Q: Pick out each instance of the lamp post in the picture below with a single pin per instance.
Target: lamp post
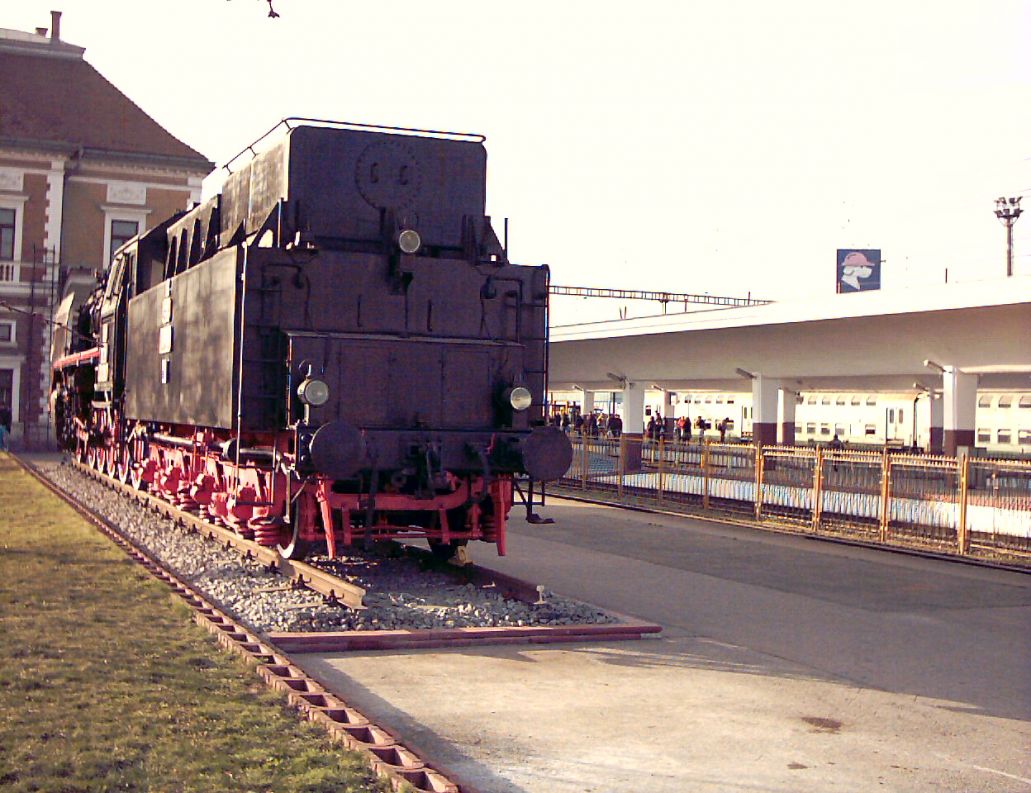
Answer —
(1007, 210)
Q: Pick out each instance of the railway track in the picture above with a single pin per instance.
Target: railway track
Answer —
(331, 587)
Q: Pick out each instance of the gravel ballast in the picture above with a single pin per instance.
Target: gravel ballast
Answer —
(400, 594)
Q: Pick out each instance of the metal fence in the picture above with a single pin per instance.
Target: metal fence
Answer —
(965, 505)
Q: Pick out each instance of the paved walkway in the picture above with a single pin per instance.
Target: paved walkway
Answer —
(786, 665)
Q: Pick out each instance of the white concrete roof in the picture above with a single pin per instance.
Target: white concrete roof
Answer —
(865, 341)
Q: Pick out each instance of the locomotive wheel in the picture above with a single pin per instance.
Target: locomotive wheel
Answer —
(292, 546)
(446, 551)
(123, 465)
(91, 457)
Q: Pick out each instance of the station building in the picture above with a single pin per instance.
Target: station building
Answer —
(82, 170)
(945, 367)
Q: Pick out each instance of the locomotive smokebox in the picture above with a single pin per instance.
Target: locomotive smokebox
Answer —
(338, 450)
(547, 453)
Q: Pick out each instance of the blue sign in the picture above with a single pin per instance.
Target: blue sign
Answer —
(859, 270)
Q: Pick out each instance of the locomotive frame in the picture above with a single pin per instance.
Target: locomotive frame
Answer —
(256, 357)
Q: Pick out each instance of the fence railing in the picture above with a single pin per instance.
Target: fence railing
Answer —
(965, 505)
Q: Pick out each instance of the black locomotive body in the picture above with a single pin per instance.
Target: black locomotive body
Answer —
(334, 347)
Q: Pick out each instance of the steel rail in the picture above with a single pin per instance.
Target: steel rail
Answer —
(326, 584)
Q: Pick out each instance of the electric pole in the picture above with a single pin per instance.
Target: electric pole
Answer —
(1007, 210)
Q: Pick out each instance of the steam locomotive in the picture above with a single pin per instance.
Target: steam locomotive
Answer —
(334, 349)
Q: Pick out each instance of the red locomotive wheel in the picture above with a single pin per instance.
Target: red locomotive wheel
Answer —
(124, 466)
(91, 456)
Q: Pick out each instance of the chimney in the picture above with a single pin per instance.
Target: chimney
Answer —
(55, 25)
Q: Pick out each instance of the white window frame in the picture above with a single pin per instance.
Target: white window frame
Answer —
(139, 216)
(13, 342)
(14, 362)
(17, 203)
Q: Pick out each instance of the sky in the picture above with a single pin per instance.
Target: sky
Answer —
(724, 148)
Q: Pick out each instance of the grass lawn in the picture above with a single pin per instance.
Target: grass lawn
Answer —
(106, 684)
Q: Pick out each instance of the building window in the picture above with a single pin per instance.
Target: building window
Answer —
(839, 430)
(1024, 437)
(7, 331)
(1005, 401)
(7, 390)
(900, 416)
(825, 429)
(1004, 436)
(810, 428)
(798, 429)
(7, 227)
(984, 436)
(984, 401)
(870, 429)
(121, 232)
(891, 415)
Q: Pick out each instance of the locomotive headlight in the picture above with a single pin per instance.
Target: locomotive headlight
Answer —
(520, 398)
(409, 241)
(313, 392)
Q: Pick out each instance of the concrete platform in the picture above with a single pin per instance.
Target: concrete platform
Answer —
(785, 665)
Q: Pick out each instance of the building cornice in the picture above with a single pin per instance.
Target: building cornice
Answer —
(73, 151)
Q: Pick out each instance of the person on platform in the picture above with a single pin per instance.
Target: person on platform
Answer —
(723, 426)
(615, 425)
(649, 431)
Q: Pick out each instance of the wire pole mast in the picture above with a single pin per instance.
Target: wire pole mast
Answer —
(1007, 210)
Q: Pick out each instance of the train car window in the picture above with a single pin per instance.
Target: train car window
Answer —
(855, 401)
(870, 400)
(984, 401)
(900, 416)
(1025, 401)
(984, 436)
(1004, 436)
(1005, 401)
(1024, 437)
(173, 252)
(825, 429)
(810, 428)
(195, 248)
(798, 429)
(839, 401)
(812, 400)
(870, 429)
(891, 415)
(184, 252)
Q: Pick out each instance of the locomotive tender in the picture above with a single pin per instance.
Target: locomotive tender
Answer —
(334, 348)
